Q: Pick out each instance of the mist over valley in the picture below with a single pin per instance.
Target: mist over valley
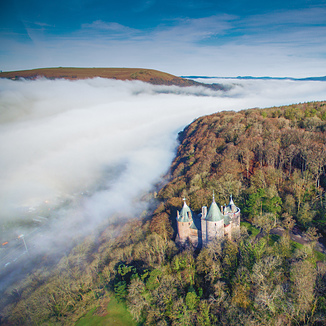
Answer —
(76, 155)
(142, 184)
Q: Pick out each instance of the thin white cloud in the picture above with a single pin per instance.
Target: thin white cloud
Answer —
(40, 24)
(297, 17)
(109, 26)
(194, 30)
(295, 29)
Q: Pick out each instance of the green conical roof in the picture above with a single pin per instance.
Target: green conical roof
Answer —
(185, 214)
(193, 226)
(231, 208)
(214, 213)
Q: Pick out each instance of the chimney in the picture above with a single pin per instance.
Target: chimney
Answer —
(203, 212)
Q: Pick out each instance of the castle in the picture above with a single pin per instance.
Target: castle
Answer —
(203, 228)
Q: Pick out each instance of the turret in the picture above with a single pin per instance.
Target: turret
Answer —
(214, 213)
(185, 214)
(231, 208)
(184, 221)
(214, 223)
(232, 220)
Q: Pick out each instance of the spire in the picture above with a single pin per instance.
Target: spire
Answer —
(231, 201)
(184, 203)
(213, 197)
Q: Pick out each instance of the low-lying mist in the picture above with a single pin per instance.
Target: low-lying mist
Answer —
(76, 153)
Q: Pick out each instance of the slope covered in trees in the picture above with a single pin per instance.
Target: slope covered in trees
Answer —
(273, 162)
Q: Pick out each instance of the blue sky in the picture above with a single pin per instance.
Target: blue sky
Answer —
(215, 38)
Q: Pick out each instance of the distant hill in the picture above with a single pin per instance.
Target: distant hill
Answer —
(151, 76)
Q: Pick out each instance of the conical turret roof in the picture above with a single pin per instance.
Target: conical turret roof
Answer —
(214, 213)
(231, 208)
(193, 226)
(186, 214)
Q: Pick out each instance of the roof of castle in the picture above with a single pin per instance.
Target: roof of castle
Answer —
(227, 220)
(186, 214)
(214, 213)
(193, 226)
(231, 208)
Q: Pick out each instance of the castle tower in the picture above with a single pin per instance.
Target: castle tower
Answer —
(232, 220)
(231, 205)
(214, 223)
(184, 221)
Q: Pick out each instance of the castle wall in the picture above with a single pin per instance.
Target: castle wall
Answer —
(237, 218)
(228, 231)
(194, 237)
(203, 225)
(183, 230)
(193, 233)
(214, 230)
(235, 225)
(203, 232)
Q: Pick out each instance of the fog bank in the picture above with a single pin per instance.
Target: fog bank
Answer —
(78, 152)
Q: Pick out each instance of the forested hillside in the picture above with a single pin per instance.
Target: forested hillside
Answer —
(273, 162)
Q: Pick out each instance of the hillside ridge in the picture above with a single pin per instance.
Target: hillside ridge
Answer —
(243, 153)
(151, 76)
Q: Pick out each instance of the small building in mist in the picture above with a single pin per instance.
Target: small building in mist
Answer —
(214, 223)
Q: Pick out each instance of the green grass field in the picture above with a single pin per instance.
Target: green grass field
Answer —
(117, 315)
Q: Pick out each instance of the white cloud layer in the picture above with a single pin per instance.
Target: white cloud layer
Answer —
(91, 148)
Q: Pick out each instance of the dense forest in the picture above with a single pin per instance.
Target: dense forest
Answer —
(273, 163)
(271, 160)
